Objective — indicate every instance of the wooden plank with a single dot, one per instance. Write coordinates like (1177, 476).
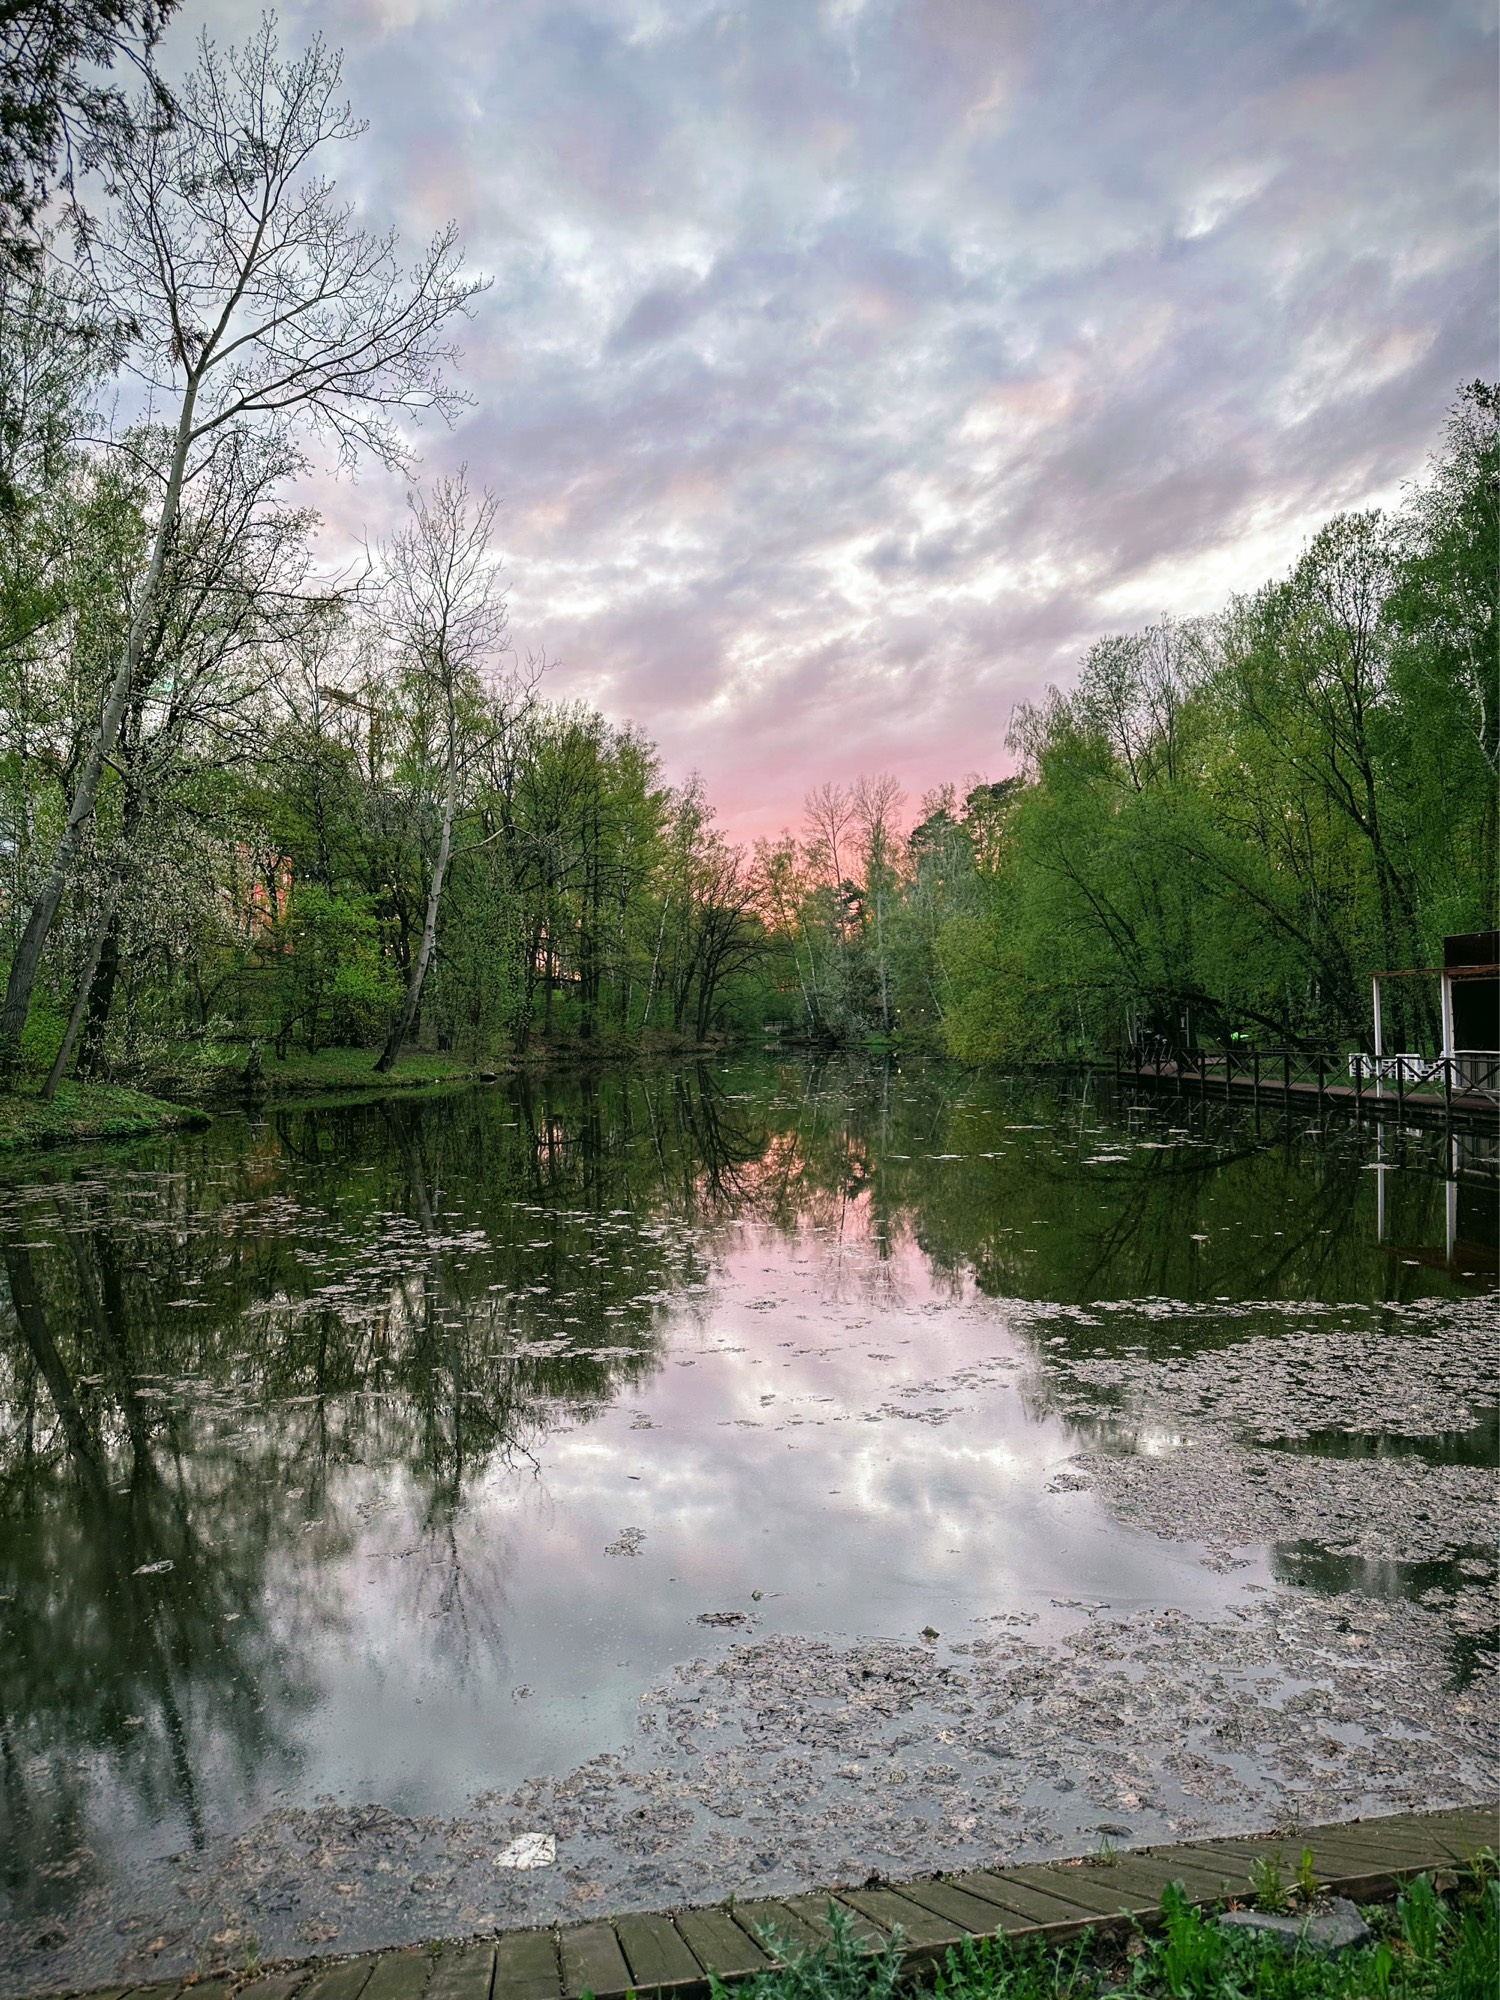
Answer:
(1351, 1872)
(792, 1933)
(919, 1927)
(276, 1985)
(159, 1989)
(464, 1974)
(1205, 1876)
(399, 1975)
(1460, 1831)
(526, 1967)
(656, 1955)
(719, 1944)
(592, 1960)
(1402, 1847)
(945, 1898)
(1138, 1883)
(1333, 1855)
(341, 1982)
(1071, 1885)
(1044, 1910)
(813, 1911)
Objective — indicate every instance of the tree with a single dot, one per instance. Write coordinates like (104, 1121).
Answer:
(445, 614)
(49, 105)
(254, 303)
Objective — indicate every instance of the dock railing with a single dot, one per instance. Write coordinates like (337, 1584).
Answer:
(1470, 1078)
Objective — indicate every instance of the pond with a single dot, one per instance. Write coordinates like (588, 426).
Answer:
(720, 1479)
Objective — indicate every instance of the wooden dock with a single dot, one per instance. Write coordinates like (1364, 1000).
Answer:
(1409, 1103)
(674, 1953)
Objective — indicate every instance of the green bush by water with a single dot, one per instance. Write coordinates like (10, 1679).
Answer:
(1426, 1948)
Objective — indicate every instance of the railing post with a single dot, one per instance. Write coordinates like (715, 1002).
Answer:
(1359, 1079)
(1321, 1066)
(1286, 1074)
(1447, 1086)
(1255, 1071)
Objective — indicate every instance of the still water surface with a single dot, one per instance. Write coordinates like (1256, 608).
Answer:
(388, 1453)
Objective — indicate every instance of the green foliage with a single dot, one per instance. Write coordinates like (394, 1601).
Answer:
(1436, 1951)
(1221, 829)
(836, 1970)
(1268, 1884)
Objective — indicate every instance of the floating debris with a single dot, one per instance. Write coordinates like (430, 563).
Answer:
(529, 1850)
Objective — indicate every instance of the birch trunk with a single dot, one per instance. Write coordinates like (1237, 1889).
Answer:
(43, 913)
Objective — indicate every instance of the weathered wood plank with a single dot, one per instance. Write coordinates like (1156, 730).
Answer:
(1350, 1872)
(276, 1985)
(464, 1974)
(813, 1911)
(526, 1967)
(919, 1927)
(956, 1905)
(1071, 1886)
(399, 1975)
(719, 1944)
(341, 1982)
(1401, 1847)
(1146, 1876)
(1042, 1909)
(1333, 1857)
(592, 1961)
(791, 1932)
(655, 1953)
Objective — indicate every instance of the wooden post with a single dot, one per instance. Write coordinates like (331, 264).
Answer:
(1447, 1079)
(1255, 1071)
(1286, 1074)
(1359, 1081)
(1379, 1036)
(1320, 1079)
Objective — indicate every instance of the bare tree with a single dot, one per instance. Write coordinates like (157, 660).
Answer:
(445, 609)
(828, 814)
(252, 300)
(877, 804)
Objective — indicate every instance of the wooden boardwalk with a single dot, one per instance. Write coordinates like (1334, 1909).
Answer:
(1409, 1103)
(674, 1953)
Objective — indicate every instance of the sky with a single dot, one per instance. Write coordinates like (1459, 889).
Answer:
(848, 368)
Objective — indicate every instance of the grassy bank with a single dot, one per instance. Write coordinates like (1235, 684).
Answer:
(306, 1073)
(87, 1111)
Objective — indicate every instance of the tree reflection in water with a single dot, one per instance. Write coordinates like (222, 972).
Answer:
(221, 1355)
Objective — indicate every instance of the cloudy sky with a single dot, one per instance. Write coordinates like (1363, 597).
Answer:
(849, 367)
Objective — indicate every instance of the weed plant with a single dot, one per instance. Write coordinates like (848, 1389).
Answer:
(1427, 1948)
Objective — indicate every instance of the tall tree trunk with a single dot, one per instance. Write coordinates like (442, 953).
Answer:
(85, 989)
(43, 913)
(401, 1027)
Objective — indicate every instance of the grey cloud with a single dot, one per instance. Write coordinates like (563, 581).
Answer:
(845, 364)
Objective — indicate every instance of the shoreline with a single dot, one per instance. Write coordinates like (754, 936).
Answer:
(84, 1113)
(689, 1947)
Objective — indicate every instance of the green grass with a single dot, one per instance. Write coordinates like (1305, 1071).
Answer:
(352, 1069)
(1426, 1947)
(85, 1111)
